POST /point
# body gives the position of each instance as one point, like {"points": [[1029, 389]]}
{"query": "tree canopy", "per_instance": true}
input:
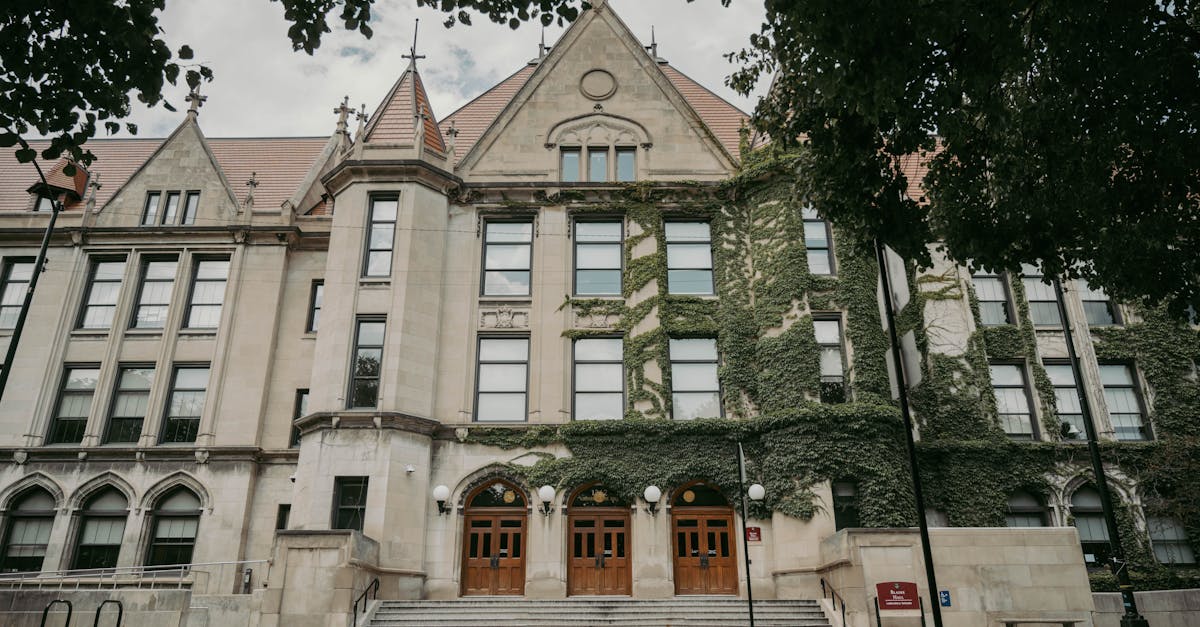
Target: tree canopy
{"points": [[1059, 132]]}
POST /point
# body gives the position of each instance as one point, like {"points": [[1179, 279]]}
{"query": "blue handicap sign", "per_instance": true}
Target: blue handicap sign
{"points": [[944, 595]]}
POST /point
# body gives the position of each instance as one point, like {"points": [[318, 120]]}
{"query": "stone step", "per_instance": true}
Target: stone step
{"points": [[597, 611]]}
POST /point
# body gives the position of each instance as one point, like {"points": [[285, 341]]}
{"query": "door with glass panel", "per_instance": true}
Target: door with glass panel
{"points": [[598, 548], [494, 541], [704, 547]]}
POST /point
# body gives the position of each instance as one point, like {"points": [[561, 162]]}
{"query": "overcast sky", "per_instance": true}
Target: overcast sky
{"points": [[263, 88]]}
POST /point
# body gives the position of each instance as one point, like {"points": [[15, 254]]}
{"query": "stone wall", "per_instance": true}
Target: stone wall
{"points": [[144, 608], [1161, 608]]}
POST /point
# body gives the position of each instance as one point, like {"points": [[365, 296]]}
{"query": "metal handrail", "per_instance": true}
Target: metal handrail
{"points": [[828, 592], [176, 574], [372, 588], [120, 612], [46, 612]]}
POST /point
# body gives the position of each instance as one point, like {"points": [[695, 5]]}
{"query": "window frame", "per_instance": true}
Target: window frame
{"points": [[1035, 274], [1041, 510], [843, 505], [299, 409], [1169, 543], [370, 224], [151, 217], [1135, 384], [316, 296], [575, 244], [712, 257], [62, 393], [842, 353], [1082, 288], [86, 515], [171, 390], [85, 305], [339, 486], [13, 514], [6, 281], [1034, 432], [589, 175], [619, 150], [186, 217], [357, 346], [197, 261], [575, 379], [580, 174], [479, 362], [157, 515], [1003, 279], [116, 395], [143, 272], [1090, 511], [483, 269], [1079, 392], [671, 361], [829, 250]]}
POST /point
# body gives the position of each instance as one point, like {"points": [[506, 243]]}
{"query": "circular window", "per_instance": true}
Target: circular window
{"points": [[598, 84]]}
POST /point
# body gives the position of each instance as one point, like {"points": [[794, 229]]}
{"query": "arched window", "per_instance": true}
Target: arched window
{"points": [[700, 495], [1089, 521], [845, 505], [1025, 510], [175, 519], [101, 527], [28, 531]]}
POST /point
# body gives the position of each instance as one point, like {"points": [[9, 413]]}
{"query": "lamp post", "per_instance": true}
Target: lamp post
{"points": [[1117, 560], [546, 496], [652, 494], [441, 494], [756, 493]]}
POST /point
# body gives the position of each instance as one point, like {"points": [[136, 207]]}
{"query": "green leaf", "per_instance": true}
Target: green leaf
{"points": [[185, 52], [26, 155]]}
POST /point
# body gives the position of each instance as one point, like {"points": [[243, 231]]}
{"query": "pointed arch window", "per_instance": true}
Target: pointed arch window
{"points": [[174, 522], [30, 519], [1088, 513], [1025, 510], [101, 528]]}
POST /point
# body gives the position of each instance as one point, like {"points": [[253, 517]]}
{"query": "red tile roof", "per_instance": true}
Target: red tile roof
{"points": [[722, 118], [393, 120], [280, 164], [473, 119]]}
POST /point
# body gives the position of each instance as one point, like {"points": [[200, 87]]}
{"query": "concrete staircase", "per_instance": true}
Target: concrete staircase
{"points": [[596, 611]]}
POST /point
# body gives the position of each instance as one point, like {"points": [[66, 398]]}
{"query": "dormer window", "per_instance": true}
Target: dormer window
{"points": [[598, 148], [170, 208]]}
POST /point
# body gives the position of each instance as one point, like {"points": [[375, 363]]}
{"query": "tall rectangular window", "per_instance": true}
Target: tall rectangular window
{"points": [[150, 212], [1170, 541], [597, 164], [104, 286], [129, 404], [598, 258], [191, 205], [599, 379], [689, 258], [1097, 306], [695, 386], [208, 294], [626, 164], [185, 405], [368, 358], [154, 295], [502, 380], [74, 405], [1043, 304], [1124, 405], [314, 306], [992, 295], [17, 275], [282, 514], [300, 411], [570, 165], [817, 241], [172, 208], [507, 258], [828, 332], [1066, 396], [1012, 400], [381, 237], [349, 502]]}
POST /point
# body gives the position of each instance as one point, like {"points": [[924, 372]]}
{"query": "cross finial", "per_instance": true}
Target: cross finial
{"points": [[362, 122], [412, 55], [653, 47], [253, 182], [343, 112], [196, 101], [542, 49]]}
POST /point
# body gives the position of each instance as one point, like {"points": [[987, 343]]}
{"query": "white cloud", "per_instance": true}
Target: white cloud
{"points": [[263, 88]]}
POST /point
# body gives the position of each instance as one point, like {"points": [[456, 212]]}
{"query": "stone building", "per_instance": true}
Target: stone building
{"points": [[510, 351]]}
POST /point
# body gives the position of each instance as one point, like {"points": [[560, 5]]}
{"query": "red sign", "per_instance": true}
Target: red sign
{"points": [[754, 534], [897, 595]]}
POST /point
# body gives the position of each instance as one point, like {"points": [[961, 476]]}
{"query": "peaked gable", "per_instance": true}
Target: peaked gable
{"points": [[395, 119], [518, 143]]}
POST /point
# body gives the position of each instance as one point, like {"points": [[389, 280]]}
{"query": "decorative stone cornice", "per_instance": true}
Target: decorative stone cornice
{"points": [[395, 421]]}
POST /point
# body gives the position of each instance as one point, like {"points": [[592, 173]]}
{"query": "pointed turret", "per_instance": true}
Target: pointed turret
{"points": [[405, 117]]}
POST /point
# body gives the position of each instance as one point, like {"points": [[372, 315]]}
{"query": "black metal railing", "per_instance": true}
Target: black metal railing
{"points": [[120, 612], [839, 604], [372, 589], [46, 612]]}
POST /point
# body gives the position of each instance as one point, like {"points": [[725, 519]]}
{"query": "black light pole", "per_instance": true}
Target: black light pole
{"points": [[902, 386], [1117, 560], [745, 536], [10, 355]]}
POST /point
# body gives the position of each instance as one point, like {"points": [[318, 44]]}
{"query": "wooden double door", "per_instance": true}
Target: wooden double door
{"points": [[598, 551], [494, 547], [704, 550]]}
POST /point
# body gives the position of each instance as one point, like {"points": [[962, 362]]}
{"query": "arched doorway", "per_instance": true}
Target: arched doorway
{"points": [[704, 546], [598, 548], [494, 540]]}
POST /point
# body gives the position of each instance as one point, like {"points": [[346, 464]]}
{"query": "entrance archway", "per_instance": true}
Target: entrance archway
{"points": [[494, 540], [598, 546], [704, 546]]}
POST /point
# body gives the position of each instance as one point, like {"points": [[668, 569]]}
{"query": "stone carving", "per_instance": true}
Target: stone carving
{"points": [[20, 457], [504, 317], [595, 319]]}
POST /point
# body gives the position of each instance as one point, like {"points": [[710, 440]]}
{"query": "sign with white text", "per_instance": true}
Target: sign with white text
{"points": [[897, 595]]}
